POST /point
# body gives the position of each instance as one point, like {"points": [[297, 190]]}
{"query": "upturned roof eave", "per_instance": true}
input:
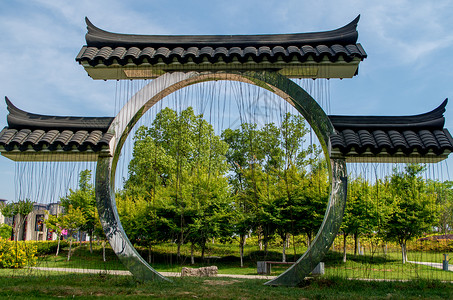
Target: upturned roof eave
{"points": [[96, 37], [429, 120], [20, 119]]}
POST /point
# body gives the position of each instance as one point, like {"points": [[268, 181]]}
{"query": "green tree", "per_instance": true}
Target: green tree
{"points": [[99, 233], [245, 162], [72, 220], [84, 199], [19, 211], [444, 199], [177, 168], [366, 210], [212, 210], [268, 173], [415, 211], [55, 223]]}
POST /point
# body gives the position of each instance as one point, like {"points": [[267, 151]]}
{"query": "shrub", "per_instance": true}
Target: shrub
{"points": [[49, 247], [432, 245], [5, 231], [17, 254]]}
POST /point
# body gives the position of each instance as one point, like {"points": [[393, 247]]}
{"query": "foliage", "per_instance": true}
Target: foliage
{"points": [[414, 209], [19, 210], [367, 210], [21, 207], [72, 220], [49, 247], [176, 189], [8, 210], [83, 199], [188, 185], [17, 254], [280, 186], [5, 231], [444, 199], [432, 245], [54, 223]]}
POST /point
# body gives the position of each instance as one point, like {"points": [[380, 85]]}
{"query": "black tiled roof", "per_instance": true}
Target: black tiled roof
{"points": [[356, 136], [99, 38], [123, 56], [389, 135], [125, 49], [32, 131], [66, 140], [430, 120], [19, 119]]}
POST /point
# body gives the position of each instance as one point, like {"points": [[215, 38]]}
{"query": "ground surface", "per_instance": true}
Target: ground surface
{"points": [[103, 286]]}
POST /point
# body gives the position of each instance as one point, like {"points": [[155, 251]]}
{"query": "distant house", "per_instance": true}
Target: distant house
{"points": [[34, 227]]}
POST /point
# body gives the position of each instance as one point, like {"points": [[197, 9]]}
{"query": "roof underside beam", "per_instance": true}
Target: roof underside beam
{"points": [[339, 69], [385, 157]]}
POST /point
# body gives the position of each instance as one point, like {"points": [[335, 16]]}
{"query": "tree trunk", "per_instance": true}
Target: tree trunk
{"points": [[91, 243], [241, 249], [203, 250], [356, 244], [260, 240], [308, 239], [149, 252], [404, 252], [80, 238], [17, 228], [103, 250], [70, 247], [58, 246], [344, 246], [283, 251], [178, 250], [192, 259]]}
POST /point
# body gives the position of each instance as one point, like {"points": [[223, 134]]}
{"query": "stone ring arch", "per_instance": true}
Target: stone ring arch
{"points": [[171, 82]]}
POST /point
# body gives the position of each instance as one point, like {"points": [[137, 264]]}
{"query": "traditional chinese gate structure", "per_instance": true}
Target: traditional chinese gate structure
{"points": [[267, 61]]}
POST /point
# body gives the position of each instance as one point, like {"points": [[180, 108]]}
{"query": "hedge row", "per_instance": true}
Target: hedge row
{"points": [[17, 254]]}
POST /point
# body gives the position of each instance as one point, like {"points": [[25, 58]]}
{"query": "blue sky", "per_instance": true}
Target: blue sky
{"points": [[408, 69]]}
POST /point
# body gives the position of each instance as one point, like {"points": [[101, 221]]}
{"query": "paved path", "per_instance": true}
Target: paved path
{"points": [[121, 272], [432, 264]]}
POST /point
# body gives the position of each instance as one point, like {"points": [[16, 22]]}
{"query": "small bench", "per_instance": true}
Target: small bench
{"points": [[264, 267]]}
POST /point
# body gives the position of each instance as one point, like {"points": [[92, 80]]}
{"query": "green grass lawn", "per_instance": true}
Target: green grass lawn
{"points": [[120, 287], [425, 282], [163, 259], [82, 258]]}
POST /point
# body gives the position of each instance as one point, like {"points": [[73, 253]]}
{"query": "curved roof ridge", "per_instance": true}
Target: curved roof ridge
{"points": [[13, 109], [96, 37], [430, 120], [20, 119]]}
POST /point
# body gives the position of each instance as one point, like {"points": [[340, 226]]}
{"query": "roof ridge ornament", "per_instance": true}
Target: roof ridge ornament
{"points": [[96, 37]]}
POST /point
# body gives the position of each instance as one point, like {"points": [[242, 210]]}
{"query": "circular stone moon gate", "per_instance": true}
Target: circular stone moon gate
{"points": [[266, 61], [171, 82]]}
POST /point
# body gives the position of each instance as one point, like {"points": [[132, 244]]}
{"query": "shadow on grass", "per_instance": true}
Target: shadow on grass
{"points": [[334, 259]]}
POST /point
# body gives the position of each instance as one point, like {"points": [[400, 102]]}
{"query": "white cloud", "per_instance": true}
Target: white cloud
{"points": [[408, 31]]}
